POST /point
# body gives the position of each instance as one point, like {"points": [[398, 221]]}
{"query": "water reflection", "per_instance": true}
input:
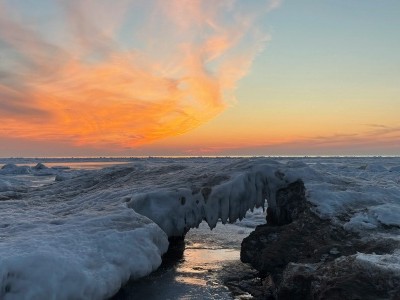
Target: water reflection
{"points": [[188, 274]]}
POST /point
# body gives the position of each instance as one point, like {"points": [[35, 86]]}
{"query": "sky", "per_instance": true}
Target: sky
{"points": [[199, 77]]}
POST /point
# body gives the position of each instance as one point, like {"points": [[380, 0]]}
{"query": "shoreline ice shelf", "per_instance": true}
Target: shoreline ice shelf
{"points": [[68, 233]]}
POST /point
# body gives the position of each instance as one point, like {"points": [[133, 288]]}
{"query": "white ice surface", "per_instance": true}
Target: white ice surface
{"points": [[380, 263], [388, 214], [74, 240], [225, 191], [77, 238], [83, 236], [363, 190], [83, 256], [361, 221], [11, 169]]}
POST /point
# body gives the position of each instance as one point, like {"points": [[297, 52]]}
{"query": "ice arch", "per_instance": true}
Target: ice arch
{"points": [[225, 195], [80, 238]]}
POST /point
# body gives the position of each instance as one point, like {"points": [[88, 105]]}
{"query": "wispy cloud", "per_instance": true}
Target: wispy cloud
{"points": [[122, 73], [380, 130], [375, 139]]}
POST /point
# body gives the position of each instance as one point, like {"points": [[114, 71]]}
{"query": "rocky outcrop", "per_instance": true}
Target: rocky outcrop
{"points": [[342, 278], [300, 256], [290, 203]]}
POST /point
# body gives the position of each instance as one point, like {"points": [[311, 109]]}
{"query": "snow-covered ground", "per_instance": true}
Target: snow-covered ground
{"points": [[75, 233]]}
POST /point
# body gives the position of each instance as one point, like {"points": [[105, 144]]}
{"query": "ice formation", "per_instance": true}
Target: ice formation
{"points": [[380, 263], [60, 243], [223, 196], [86, 233]]}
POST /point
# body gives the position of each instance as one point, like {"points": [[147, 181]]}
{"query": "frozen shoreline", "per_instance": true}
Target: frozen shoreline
{"points": [[81, 223]]}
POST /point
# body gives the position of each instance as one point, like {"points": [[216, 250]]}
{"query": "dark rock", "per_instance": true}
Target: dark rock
{"points": [[343, 278], [241, 279], [175, 251], [298, 285], [290, 202], [270, 248], [306, 257]]}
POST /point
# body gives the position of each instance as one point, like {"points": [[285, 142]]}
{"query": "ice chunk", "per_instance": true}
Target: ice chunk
{"points": [[388, 214], [86, 256], [11, 169], [361, 221], [39, 166], [380, 263], [74, 240]]}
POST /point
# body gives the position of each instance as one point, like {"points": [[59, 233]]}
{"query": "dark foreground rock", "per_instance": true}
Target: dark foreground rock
{"points": [[342, 278], [242, 280], [300, 256]]}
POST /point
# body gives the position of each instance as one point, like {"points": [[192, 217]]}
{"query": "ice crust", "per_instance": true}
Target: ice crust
{"points": [[80, 257], [39, 170], [225, 196], [73, 240], [365, 190], [386, 263], [83, 235], [80, 238]]}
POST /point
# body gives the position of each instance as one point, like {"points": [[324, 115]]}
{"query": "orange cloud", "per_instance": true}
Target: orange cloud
{"points": [[96, 81]]}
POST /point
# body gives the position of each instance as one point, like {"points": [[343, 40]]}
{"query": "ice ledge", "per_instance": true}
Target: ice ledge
{"points": [[225, 196]]}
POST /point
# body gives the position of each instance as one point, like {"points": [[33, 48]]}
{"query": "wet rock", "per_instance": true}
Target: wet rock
{"points": [[270, 248], [343, 278], [301, 256], [243, 281], [290, 202]]}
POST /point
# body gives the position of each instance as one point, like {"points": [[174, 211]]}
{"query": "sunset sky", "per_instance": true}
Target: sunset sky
{"points": [[199, 77]]}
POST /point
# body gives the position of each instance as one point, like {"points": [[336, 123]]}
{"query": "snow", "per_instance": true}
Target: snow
{"points": [[361, 221], [218, 195], [83, 233], [76, 257], [53, 247], [381, 263], [5, 185], [395, 169], [11, 169], [38, 170], [388, 214], [68, 233], [361, 189]]}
